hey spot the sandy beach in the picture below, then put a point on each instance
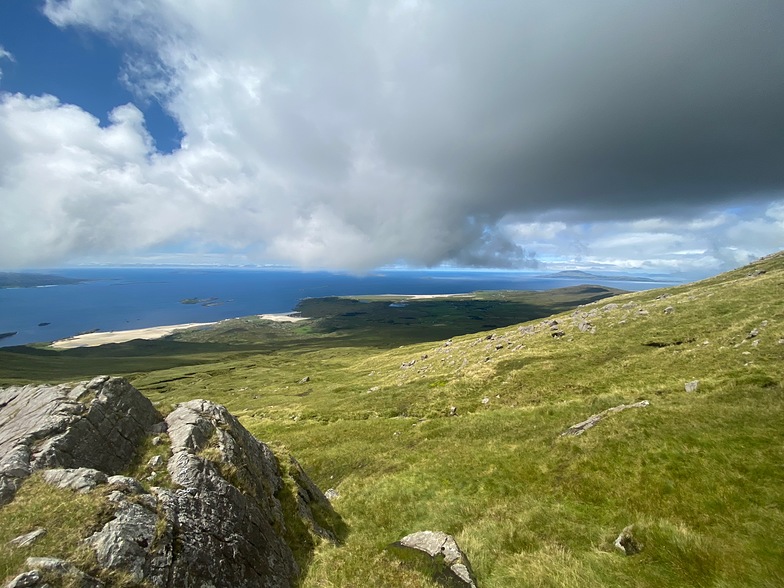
(99, 338)
(412, 296)
(282, 317)
(95, 339)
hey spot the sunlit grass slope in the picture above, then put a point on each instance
(700, 475)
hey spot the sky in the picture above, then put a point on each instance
(350, 135)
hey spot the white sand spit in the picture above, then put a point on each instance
(282, 317)
(95, 339)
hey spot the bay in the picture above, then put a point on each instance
(112, 299)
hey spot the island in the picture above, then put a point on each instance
(29, 280)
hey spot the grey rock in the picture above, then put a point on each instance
(157, 440)
(304, 380)
(28, 538)
(224, 524)
(331, 494)
(126, 484)
(557, 334)
(79, 479)
(669, 310)
(158, 428)
(627, 543)
(586, 327)
(25, 580)
(753, 333)
(64, 570)
(127, 542)
(609, 307)
(643, 312)
(452, 411)
(95, 424)
(440, 554)
(156, 461)
(591, 421)
(692, 386)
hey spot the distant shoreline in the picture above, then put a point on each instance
(99, 338)
(149, 333)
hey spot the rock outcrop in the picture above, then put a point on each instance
(96, 424)
(234, 514)
(439, 554)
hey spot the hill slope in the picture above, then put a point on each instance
(698, 474)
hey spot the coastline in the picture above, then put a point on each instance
(98, 338)
(149, 333)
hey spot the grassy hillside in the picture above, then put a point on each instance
(698, 474)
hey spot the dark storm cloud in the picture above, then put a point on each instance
(613, 109)
(350, 134)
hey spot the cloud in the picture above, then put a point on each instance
(5, 55)
(350, 135)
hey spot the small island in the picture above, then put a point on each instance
(27, 280)
(212, 301)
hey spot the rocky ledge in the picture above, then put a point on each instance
(232, 514)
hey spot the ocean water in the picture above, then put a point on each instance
(113, 299)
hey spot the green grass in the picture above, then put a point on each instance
(67, 516)
(699, 475)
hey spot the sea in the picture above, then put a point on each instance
(112, 299)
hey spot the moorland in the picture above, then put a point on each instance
(450, 415)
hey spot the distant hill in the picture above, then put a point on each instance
(580, 275)
(25, 280)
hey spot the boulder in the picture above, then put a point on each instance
(440, 555)
(96, 424)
